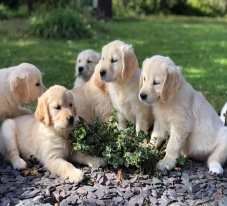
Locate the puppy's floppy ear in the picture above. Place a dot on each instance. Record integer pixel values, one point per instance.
(130, 63)
(141, 75)
(19, 86)
(141, 80)
(171, 84)
(42, 112)
(97, 80)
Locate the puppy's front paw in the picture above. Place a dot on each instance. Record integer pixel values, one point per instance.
(122, 127)
(166, 164)
(97, 162)
(215, 169)
(76, 176)
(19, 164)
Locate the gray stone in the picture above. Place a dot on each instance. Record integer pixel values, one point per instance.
(110, 176)
(89, 188)
(38, 198)
(3, 189)
(20, 178)
(100, 194)
(174, 174)
(136, 200)
(195, 188)
(15, 173)
(222, 202)
(172, 194)
(100, 202)
(156, 181)
(175, 204)
(4, 180)
(225, 191)
(91, 195)
(134, 179)
(81, 191)
(71, 200)
(28, 194)
(125, 183)
(153, 200)
(128, 194)
(118, 200)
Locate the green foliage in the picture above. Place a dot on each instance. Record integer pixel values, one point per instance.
(62, 22)
(209, 7)
(181, 161)
(117, 147)
(182, 7)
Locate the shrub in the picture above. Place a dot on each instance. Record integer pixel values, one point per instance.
(59, 23)
(119, 148)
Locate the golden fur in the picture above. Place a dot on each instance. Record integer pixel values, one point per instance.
(119, 68)
(92, 99)
(22, 83)
(45, 136)
(194, 127)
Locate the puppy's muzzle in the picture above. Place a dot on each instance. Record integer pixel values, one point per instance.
(70, 120)
(143, 96)
(102, 72)
(80, 69)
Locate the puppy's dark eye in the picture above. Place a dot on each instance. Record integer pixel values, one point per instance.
(70, 104)
(155, 83)
(113, 60)
(79, 60)
(58, 107)
(89, 61)
(37, 84)
(144, 79)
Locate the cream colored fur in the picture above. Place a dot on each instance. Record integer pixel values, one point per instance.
(45, 136)
(22, 83)
(92, 99)
(85, 65)
(119, 68)
(194, 127)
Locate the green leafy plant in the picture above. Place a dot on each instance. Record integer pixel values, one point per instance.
(61, 22)
(181, 161)
(117, 147)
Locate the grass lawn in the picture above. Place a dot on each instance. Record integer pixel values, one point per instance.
(198, 45)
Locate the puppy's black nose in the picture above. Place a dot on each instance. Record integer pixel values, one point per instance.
(70, 119)
(143, 96)
(102, 72)
(80, 69)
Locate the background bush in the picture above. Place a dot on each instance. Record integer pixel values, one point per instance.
(59, 23)
(182, 7)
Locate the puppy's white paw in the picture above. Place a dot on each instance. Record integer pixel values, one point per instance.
(19, 163)
(215, 169)
(122, 127)
(97, 162)
(166, 164)
(76, 176)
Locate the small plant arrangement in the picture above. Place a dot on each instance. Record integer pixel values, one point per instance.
(119, 148)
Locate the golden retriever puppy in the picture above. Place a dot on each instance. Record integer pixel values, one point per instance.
(92, 99)
(119, 68)
(22, 83)
(194, 127)
(45, 136)
(85, 65)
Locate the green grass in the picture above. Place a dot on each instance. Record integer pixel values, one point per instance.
(198, 45)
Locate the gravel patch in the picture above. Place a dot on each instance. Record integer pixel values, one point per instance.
(188, 185)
